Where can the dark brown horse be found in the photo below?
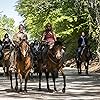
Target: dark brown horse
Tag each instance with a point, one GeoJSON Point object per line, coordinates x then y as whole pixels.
{"type": "Point", "coordinates": [23, 64]}
{"type": "Point", "coordinates": [52, 64]}
{"type": "Point", "coordinates": [84, 58]}
{"type": "Point", "coordinates": [6, 62]}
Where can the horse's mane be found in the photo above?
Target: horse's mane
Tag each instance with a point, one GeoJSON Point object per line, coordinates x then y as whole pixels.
{"type": "Point", "coordinates": [58, 43]}
{"type": "Point", "coordinates": [19, 54]}
{"type": "Point", "coordinates": [19, 51]}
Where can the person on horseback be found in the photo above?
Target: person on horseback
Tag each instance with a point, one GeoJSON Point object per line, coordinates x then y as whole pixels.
{"type": "Point", "coordinates": [17, 39]}
{"type": "Point", "coordinates": [82, 42]}
{"type": "Point", "coordinates": [1, 48]}
{"type": "Point", "coordinates": [6, 42]}
{"type": "Point", "coordinates": [21, 35]}
{"type": "Point", "coordinates": [49, 36]}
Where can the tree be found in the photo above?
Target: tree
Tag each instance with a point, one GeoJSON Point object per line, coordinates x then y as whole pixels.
{"type": "Point", "coordinates": [68, 17]}
{"type": "Point", "coordinates": [6, 25]}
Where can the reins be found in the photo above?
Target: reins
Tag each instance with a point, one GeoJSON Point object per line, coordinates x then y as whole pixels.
{"type": "Point", "coordinates": [52, 60]}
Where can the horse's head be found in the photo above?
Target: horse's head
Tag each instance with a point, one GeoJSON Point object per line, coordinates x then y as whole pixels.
{"type": "Point", "coordinates": [85, 50]}
{"type": "Point", "coordinates": [24, 47]}
{"type": "Point", "coordinates": [57, 50]}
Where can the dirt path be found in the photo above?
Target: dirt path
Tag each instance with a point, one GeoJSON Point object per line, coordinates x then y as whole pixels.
{"type": "Point", "coordinates": [78, 88]}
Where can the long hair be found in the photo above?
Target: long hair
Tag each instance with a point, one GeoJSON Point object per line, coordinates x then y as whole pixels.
{"type": "Point", "coordinates": [46, 27]}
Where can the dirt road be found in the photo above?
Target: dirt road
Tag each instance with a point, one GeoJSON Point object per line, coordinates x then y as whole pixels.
{"type": "Point", "coordinates": [77, 88]}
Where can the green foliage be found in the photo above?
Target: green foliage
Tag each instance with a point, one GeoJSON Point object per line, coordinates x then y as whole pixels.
{"type": "Point", "coordinates": [6, 26]}
{"type": "Point", "coordinates": [68, 17]}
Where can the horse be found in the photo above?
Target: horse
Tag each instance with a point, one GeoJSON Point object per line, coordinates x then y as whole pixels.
{"type": "Point", "coordinates": [85, 57]}
{"type": "Point", "coordinates": [53, 64]}
{"type": "Point", "coordinates": [5, 61]}
{"type": "Point", "coordinates": [1, 55]}
{"type": "Point", "coordinates": [23, 64]}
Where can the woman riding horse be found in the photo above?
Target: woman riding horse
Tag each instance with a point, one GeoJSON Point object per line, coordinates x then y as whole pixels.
{"type": "Point", "coordinates": [52, 60]}
{"type": "Point", "coordinates": [7, 44]}
{"type": "Point", "coordinates": [49, 36]}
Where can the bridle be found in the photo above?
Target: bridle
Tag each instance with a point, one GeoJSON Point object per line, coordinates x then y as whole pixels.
{"type": "Point", "coordinates": [26, 49]}
{"type": "Point", "coordinates": [53, 58]}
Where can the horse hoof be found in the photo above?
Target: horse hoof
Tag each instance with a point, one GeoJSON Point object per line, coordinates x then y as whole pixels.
{"type": "Point", "coordinates": [49, 90]}
{"type": "Point", "coordinates": [20, 90]}
{"type": "Point", "coordinates": [11, 88]}
{"type": "Point", "coordinates": [55, 89]}
{"type": "Point", "coordinates": [63, 90]}
{"type": "Point", "coordinates": [16, 88]}
{"type": "Point", "coordinates": [25, 91]}
{"type": "Point", "coordinates": [79, 73]}
{"type": "Point", "coordinates": [39, 89]}
{"type": "Point", "coordinates": [86, 73]}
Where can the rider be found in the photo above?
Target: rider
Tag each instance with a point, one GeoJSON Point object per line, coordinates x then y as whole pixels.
{"type": "Point", "coordinates": [49, 36]}
{"type": "Point", "coordinates": [1, 53]}
{"type": "Point", "coordinates": [17, 39]}
{"type": "Point", "coordinates": [82, 42]}
{"type": "Point", "coordinates": [6, 42]}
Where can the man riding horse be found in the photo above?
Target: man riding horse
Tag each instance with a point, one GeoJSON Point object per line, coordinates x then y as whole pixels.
{"type": "Point", "coordinates": [17, 39]}
{"type": "Point", "coordinates": [82, 43]}
{"type": "Point", "coordinates": [83, 54]}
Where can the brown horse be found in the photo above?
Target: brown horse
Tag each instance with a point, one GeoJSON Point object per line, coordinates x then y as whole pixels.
{"type": "Point", "coordinates": [53, 65]}
{"type": "Point", "coordinates": [84, 58]}
{"type": "Point", "coordinates": [23, 64]}
{"type": "Point", "coordinates": [6, 62]}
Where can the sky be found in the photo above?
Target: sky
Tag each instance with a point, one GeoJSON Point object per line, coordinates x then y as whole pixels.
{"type": "Point", "coordinates": [7, 7]}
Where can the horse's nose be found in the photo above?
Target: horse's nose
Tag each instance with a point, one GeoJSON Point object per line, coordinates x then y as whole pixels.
{"type": "Point", "coordinates": [24, 53]}
{"type": "Point", "coordinates": [58, 56]}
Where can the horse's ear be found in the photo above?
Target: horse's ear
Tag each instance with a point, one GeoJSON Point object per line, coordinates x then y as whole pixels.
{"type": "Point", "coordinates": [58, 43]}
{"type": "Point", "coordinates": [63, 47]}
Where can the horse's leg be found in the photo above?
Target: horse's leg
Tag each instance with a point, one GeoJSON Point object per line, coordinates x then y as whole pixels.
{"type": "Point", "coordinates": [40, 75]}
{"type": "Point", "coordinates": [64, 80]}
{"type": "Point", "coordinates": [53, 77]}
{"type": "Point", "coordinates": [25, 87]}
{"type": "Point", "coordinates": [11, 78]}
{"type": "Point", "coordinates": [4, 68]}
{"type": "Point", "coordinates": [86, 67]}
{"type": "Point", "coordinates": [7, 68]}
{"type": "Point", "coordinates": [26, 79]}
{"type": "Point", "coordinates": [4, 71]}
{"type": "Point", "coordinates": [20, 76]}
{"type": "Point", "coordinates": [16, 87]}
{"type": "Point", "coordinates": [47, 77]}
{"type": "Point", "coordinates": [78, 67]}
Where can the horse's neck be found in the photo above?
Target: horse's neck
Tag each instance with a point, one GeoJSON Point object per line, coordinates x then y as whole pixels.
{"type": "Point", "coordinates": [84, 51]}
